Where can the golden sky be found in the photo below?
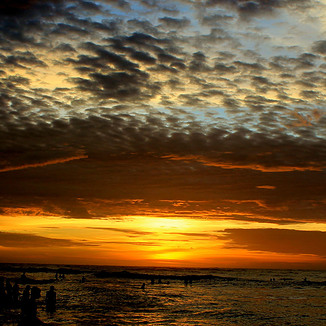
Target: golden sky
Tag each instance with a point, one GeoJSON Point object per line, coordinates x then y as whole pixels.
{"type": "Point", "coordinates": [165, 133]}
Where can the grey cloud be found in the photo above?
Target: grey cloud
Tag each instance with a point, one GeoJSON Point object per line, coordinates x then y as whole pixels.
{"type": "Point", "coordinates": [119, 85]}
{"type": "Point", "coordinates": [175, 22]}
{"type": "Point", "coordinates": [261, 80]}
{"type": "Point", "coordinates": [139, 135]}
{"type": "Point", "coordinates": [142, 26]}
{"type": "Point", "coordinates": [167, 58]}
{"type": "Point", "coordinates": [118, 3]}
{"type": "Point", "coordinates": [224, 69]}
{"type": "Point", "coordinates": [27, 7]}
{"type": "Point", "coordinates": [249, 8]}
{"type": "Point", "coordinates": [64, 47]}
{"type": "Point", "coordinates": [215, 19]}
{"type": "Point", "coordinates": [198, 63]}
{"type": "Point", "coordinates": [17, 80]}
{"type": "Point", "coordinates": [64, 29]}
{"type": "Point", "coordinates": [178, 65]}
{"type": "Point", "coordinates": [249, 66]}
{"type": "Point", "coordinates": [143, 57]}
{"type": "Point", "coordinates": [143, 39]}
{"type": "Point", "coordinates": [24, 60]}
{"type": "Point", "coordinates": [91, 62]}
{"type": "Point", "coordinates": [164, 69]}
{"type": "Point", "coordinates": [119, 61]}
{"type": "Point", "coordinates": [89, 6]}
{"type": "Point", "coordinates": [319, 47]}
{"type": "Point", "coordinates": [308, 94]}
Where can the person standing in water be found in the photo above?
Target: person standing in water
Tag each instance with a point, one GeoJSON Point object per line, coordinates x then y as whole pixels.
{"type": "Point", "coordinates": [29, 313]}
{"type": "Point", "coordinates": [51, 300]}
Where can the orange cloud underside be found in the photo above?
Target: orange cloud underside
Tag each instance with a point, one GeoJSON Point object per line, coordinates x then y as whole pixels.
{"type": "Point", "coordinates": [226, 165]}
{"type": "Point", "coordinates": [36, 165]}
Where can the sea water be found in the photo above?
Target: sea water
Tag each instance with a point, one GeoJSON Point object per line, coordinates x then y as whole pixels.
{"type": "Point", "coordinates": [221, 297]}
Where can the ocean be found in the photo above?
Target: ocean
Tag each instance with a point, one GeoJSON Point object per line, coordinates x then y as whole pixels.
{"type": "Point", "coordinates": [175, 296]}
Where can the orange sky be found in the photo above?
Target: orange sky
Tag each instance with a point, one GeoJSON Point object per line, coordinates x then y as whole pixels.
{"type": "Point", "coordinates": [159, 241]}
{"type": "Point", "coordinates": [166, 133]}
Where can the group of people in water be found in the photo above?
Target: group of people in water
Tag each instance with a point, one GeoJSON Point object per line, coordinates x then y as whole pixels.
{"type": "Point", "coordinates": [187, 281]}
{"type": "Point", "coordinates": [10, 298]}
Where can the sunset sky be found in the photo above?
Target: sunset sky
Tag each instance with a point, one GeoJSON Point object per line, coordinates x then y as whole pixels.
{"type": "Point", "coordinates": [183, 133]}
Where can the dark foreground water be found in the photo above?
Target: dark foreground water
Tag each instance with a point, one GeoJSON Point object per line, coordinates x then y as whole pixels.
{"type": "Point", "coordinates": [215, 297]}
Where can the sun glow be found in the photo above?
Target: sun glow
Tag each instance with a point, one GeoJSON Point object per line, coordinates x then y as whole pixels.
{"type": "Point", "coordinates": [135, 240]}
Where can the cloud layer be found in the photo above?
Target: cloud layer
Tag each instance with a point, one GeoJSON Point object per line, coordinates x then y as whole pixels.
{"type": "Point", "coordinates": [203, 109]}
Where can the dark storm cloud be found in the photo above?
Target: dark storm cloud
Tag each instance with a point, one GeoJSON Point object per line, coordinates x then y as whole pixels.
{"type": "Point", "coordinates": [25, 240]}
{"type": "Point", "coordinates": [288, 241]}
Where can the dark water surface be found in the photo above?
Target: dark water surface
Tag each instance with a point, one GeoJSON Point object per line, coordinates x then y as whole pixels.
{"type": "Point", "coordinates": [215, 297]}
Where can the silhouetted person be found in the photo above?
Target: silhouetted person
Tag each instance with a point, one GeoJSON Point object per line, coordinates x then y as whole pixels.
{"type": "Point", "coordinates": [25, 299]}
{"type": "Point", "coordinates": [15, 293]}
{"type": "Point", "coordinates": [2, 293]}
{"type": "Point", "coordinates": [23, 277]}
{"type": "Point", "coordinates": [143, 286]}
{"type": "Point", "coordinates": [51, 300]}
{"type": "Point", "coordinates": [29, 316]}
{"type": "Point", "coordinates": [152, 281]}
{"type": "Point", "coordinates": [83, 279]}
{"type": "Point", "coordinates": [9, 299]}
